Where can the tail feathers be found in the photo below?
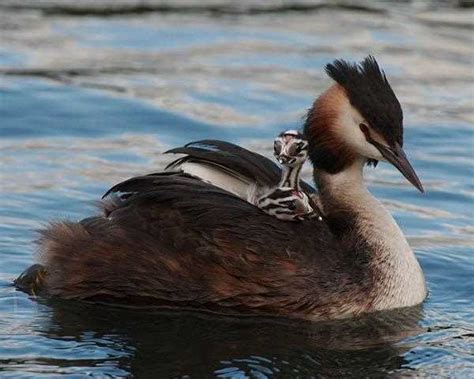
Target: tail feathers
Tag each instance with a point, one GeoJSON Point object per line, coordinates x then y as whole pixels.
{"type": "Point", "coordinates": [32, 280]}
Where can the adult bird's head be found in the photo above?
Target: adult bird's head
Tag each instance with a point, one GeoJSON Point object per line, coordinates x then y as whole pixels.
{"type": "Point", "coordinates": [359, 117]}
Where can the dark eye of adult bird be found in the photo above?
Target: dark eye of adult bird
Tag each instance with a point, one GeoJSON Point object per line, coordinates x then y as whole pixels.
{"type": "Point", "coordinates": [189, 236]}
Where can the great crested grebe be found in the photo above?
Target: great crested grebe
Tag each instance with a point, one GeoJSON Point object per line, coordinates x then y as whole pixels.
{"type": "Point", "coordinates": [287, 201]}
{"type": "Point", "coordinates": [187, 238]}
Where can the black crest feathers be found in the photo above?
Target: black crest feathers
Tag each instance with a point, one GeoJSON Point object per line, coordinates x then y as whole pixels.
{"type": "Point", "coordinates": [370, 93]}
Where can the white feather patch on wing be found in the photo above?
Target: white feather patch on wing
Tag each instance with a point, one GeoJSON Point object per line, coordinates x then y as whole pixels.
{"type": "Point", "coordinates": [221, 178]}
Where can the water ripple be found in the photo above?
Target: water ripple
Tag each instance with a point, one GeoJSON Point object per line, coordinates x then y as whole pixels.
{"type": "Point", "coordinates": [87, 101]}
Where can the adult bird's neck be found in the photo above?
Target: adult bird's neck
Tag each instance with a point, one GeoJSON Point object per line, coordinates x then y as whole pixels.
{"type": "Point", "coordinates": [290, 177]}
{"type": "Point", "coordinates": [362, 222]}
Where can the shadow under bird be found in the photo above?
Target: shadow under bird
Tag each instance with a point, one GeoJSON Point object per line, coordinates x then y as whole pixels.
{"type": "Point", "coordinates": [188, 237]}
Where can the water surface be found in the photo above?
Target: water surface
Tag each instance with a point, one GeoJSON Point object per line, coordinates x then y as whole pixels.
{"type": "Point", "coordinates": [93, 94]}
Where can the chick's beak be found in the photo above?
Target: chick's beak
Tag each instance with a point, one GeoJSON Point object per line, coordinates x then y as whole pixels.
{"type": "Point", "coordinates": [283, 158]}
{"type": "Point", "coordinates": [396, 156]}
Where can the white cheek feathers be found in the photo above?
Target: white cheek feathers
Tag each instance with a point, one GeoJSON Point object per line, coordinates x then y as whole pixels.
{"type": "Point", "coordinates": [348, 130]}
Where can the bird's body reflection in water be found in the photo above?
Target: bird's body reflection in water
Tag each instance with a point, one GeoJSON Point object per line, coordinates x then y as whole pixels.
{"type": "Point", "coordinates": [168, 344]}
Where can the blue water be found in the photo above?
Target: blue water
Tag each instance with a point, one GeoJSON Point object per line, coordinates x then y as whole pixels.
{"type": "Point", "coordinates": [88, 101]}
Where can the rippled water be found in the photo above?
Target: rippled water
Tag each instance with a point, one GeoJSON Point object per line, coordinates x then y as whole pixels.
{"type": "Point", "coordinates": [92, 93]}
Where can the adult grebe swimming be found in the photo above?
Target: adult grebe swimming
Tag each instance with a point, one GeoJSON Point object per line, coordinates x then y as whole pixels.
{"type": "Point", "coordinates": [189, 238]}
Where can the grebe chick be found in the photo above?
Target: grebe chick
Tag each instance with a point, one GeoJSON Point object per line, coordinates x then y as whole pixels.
{"type": "Point", "coordinates": [287, 201]}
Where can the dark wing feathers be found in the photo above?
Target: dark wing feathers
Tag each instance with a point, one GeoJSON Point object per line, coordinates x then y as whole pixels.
{"type": "Point", "coordinates": [204, 207]}
{"type": "Point", "coordinates": [260, 169]}
{"type": "Point", "coordinates": [225, 156]}
{"type": "Point", "coordinates": [233, 159]}
{"type": "Point", "coordinates": [255, 167]}
{"type": "Point", "coordinates": [167, 187]}
{"type": "Point", "coordinates": [149, 182]}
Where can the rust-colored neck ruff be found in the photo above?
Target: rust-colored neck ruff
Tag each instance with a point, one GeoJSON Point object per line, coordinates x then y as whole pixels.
{"type": "Point", "coordinates": [326, 149]}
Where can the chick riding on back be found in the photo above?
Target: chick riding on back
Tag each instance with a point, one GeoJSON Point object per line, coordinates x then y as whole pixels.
{"type": "Point", "coordinates": [287, 201]}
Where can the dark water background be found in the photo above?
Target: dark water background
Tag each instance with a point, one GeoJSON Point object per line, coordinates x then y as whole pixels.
{"type": "Point", "coordinates": [92, 92]}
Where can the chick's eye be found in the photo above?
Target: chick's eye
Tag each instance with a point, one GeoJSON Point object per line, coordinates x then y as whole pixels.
{"type": "Point", "coordinates": [299, 147]}
{"type": "Point", "coordinates": [293, 149]}
{"type": "Point", "coordinates": [277, 147]}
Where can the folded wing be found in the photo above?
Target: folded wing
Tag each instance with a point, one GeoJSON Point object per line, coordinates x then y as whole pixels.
{"type": "Point", "coordinates": [222, 164]}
